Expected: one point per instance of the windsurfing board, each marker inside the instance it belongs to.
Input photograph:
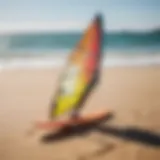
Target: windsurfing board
(48, 125)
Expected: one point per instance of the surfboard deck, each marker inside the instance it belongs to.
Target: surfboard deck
(48, 125)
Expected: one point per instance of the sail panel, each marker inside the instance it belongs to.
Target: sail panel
(80, 71)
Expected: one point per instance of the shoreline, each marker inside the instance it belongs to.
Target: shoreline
(50, 63)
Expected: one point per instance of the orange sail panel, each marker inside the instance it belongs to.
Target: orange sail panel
(81, 70)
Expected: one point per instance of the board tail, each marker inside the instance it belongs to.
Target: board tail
(82, 71)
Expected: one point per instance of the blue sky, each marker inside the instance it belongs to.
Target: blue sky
(75, 14)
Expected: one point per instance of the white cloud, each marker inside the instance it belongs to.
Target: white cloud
(47, 26)
(20, 27)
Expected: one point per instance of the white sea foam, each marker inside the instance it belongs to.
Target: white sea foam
(58, 61)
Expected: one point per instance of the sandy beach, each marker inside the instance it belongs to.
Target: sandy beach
(133, 94)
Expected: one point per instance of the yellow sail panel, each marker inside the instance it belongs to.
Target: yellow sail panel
(80, 71)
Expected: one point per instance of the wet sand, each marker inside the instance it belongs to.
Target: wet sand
(133, 94)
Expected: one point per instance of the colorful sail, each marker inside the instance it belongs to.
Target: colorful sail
(81, 71)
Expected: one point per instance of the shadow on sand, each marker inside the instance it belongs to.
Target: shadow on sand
(127, 133)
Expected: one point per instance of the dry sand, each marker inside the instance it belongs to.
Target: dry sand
(133, 94)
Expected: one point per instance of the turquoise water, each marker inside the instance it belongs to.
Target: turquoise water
(50, 49)
(49, 43)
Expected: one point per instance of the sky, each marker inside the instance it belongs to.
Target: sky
(46, 15)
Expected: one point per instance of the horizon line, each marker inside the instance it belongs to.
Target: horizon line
(65, 26)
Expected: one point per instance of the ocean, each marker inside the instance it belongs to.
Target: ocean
(26, 50)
